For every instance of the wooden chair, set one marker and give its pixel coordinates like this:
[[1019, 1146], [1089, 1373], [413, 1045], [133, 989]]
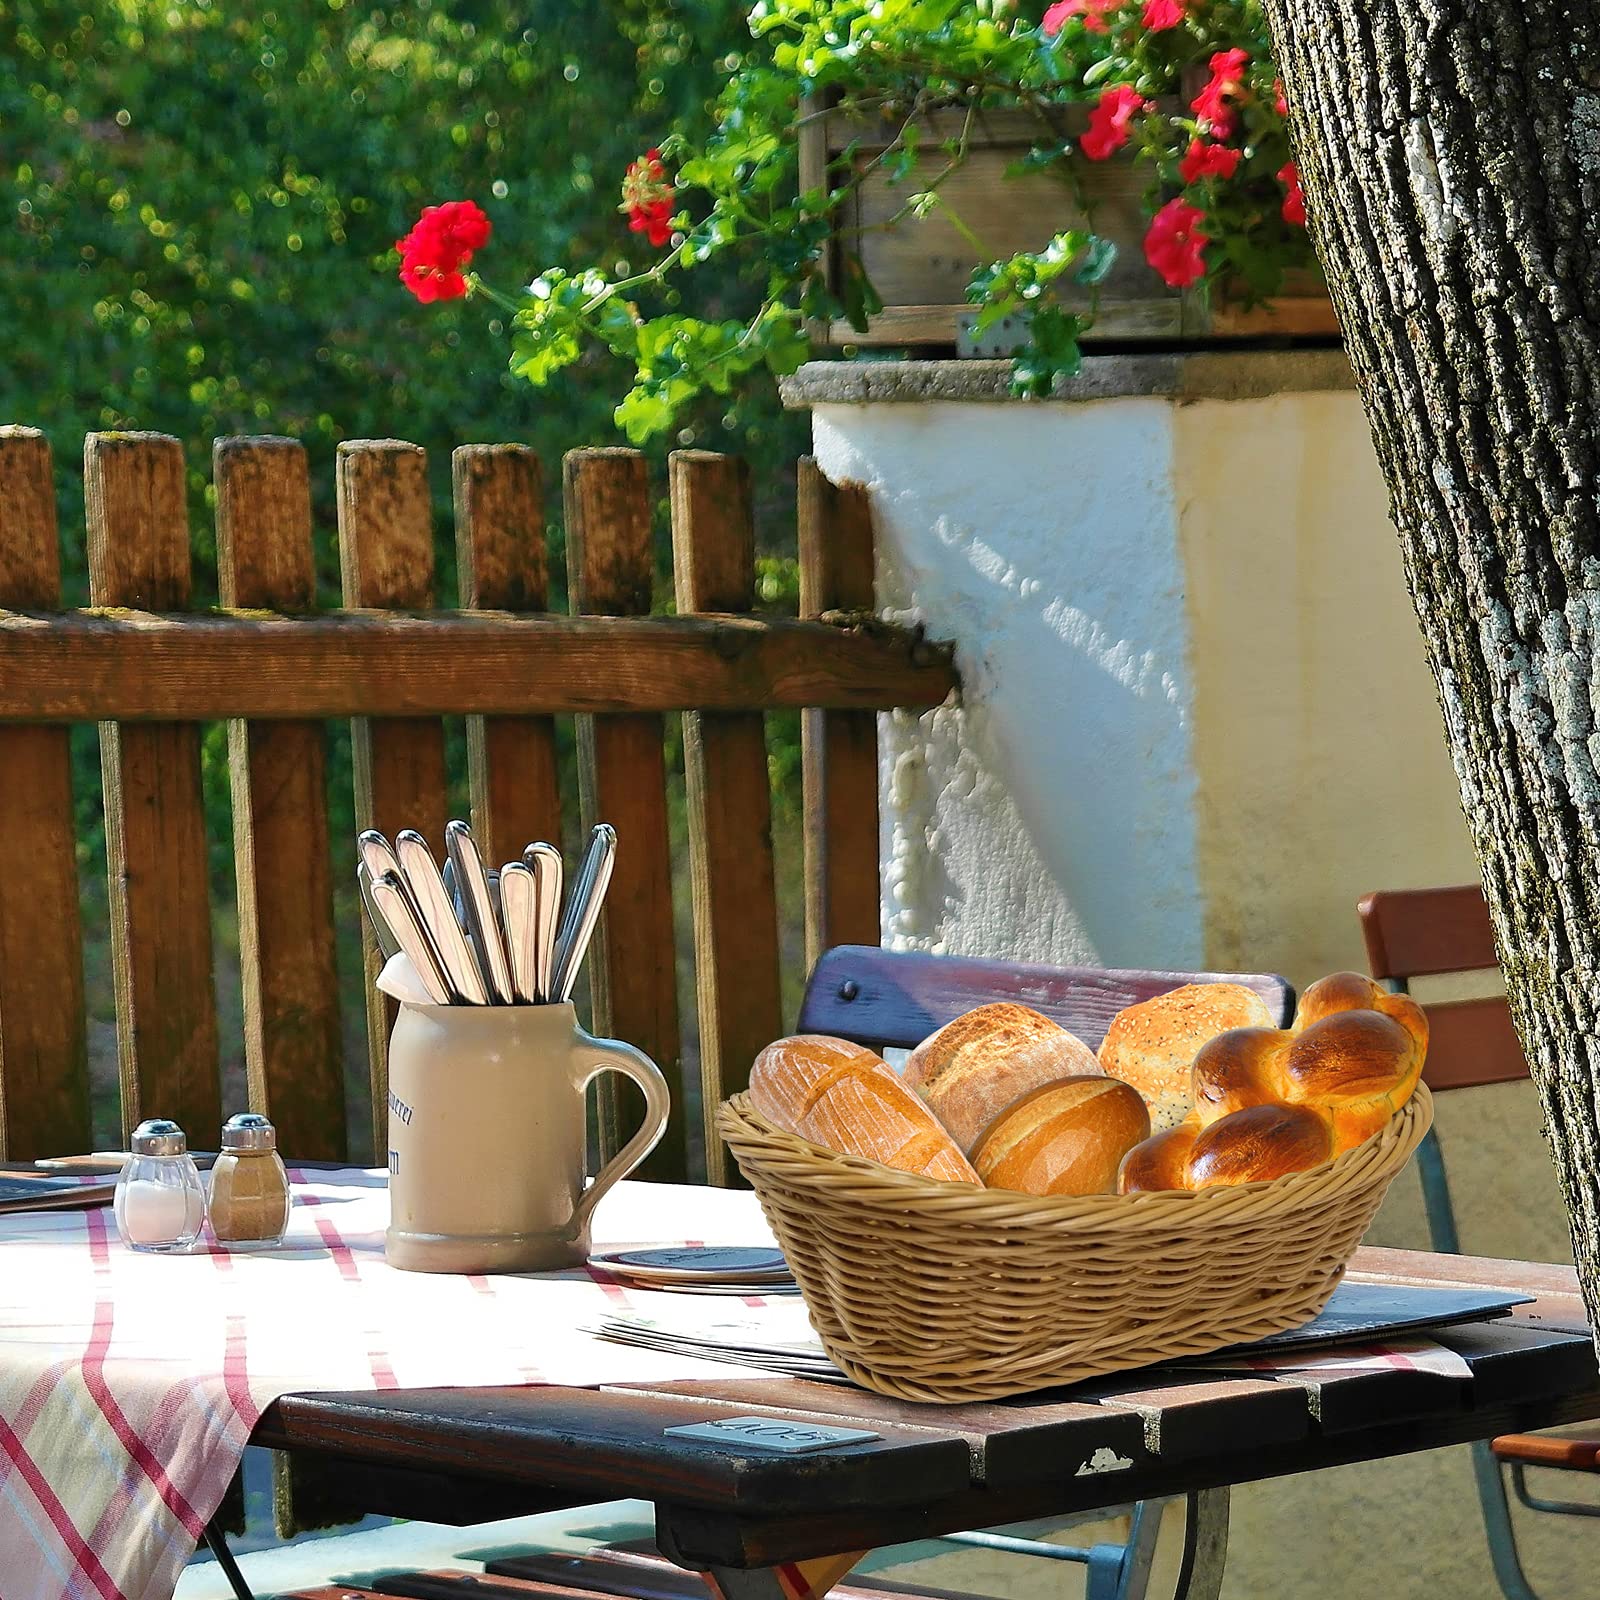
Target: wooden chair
[[1414, 933]]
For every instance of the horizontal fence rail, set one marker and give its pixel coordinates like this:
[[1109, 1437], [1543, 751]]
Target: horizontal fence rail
[[149, 667], [86, 666]]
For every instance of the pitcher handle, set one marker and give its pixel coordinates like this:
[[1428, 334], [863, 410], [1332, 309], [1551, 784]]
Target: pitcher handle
[[615, 1056]]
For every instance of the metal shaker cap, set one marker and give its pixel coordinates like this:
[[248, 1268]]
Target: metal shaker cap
[[159, 1137], [249, 1131]]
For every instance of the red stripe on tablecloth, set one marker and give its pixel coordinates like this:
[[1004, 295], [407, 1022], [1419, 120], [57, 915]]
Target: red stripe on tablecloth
[[236, 1370], [614, 1291], [94, 1378], [344, 1258], [87, 1561]]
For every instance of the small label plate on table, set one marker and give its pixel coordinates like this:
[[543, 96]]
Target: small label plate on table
[[771, 1433]]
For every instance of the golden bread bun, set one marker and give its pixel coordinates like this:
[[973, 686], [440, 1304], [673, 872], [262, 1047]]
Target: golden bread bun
[[1350, 991], [1161, 1162], [845, 1098], [977, 1064], [1354, 1064], [1067, 1137], [1153, 1044], [1259, 1143]]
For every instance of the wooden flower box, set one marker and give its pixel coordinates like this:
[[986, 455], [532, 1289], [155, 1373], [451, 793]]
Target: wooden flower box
[[921, 266]]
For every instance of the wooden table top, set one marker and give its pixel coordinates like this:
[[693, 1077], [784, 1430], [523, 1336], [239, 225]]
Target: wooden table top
[[467, 1454]]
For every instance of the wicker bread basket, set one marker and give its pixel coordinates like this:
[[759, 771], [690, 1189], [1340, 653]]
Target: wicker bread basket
[[945, 1292]]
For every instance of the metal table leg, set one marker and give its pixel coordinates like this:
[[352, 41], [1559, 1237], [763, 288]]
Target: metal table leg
[[1205, 1545]]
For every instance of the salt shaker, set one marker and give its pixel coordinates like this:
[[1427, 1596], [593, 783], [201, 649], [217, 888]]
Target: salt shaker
[[249, 1188], [160, 1201]]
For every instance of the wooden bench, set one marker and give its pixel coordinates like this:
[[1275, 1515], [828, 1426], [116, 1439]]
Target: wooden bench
[[149, 666]]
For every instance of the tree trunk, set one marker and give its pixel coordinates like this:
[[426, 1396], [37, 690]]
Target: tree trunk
[[1450, 154]]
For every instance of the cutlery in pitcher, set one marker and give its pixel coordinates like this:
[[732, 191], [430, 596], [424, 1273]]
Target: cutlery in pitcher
[[398, 909], [381, 930], [544, 862], [439, 918], [583, 910], [518, 897], [482, 924]]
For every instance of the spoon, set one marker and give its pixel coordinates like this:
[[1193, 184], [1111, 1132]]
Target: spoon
[[544, 861], [384, 934], [519, 894], [583, 910], [439, 917], [397, 908], [481, 922]]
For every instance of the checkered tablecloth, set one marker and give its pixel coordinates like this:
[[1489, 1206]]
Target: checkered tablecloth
[[129, 1383]]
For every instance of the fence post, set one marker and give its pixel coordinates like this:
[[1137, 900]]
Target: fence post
[[839, 749], [44, 1072], [294, 1059], [730, 800], [500, 551], [156, 858], [386, 559], [623, 781]]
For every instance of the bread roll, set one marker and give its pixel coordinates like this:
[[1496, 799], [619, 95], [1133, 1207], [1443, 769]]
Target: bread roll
[[974, 1067], [1161, 1162], [1153, 1044], [1259, 1143], [1355, 1066], [1067, 1137], [842, 1096]]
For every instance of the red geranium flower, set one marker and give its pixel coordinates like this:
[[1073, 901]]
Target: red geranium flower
[[1203, 160], [1093, 13], [1175, 246], [1279, 103], [647, 198], [1294, 200], [439, 245], [1214, 103], [1162, 14], [1108, 122]]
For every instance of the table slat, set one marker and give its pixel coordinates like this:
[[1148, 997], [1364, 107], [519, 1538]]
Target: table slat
[[1189, 1417]]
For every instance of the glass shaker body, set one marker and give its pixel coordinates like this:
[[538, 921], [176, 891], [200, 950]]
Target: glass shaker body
[[160, 1202], [249, 1187]]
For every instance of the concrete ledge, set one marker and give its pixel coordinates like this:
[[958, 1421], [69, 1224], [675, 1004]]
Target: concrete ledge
[[1188, 375]]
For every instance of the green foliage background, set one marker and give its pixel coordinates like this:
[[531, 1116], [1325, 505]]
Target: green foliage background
[[200, 200]]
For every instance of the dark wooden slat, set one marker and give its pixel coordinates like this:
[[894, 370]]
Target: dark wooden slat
[[1183, 1417], [1343, 1402], [386, 559], [1008, 1443], [1413, 933], [1511, 1364], [278, 770], [1472, 1043], [701, 1538], [44, 1073], [839, 750], [729, 801], [136, 507], [623, 780], [585, 1438], [897, 998], [500, 551], [141, 667], [1571, 1454], [1552, 1288]]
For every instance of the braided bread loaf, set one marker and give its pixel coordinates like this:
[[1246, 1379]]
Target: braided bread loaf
[[1269, 1101]]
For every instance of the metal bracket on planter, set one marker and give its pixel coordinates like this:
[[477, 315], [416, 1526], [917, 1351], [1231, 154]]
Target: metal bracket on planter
[[772, 1434]]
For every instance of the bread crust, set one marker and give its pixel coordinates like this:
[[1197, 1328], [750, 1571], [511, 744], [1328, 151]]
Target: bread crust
[[1257, 1144], [846, 1098], [1067, 1137], [973, 1067], [1153, 1044], [1159, 1162]]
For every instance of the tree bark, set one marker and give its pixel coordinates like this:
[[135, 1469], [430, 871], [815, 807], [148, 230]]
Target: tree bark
[[1450, 154]]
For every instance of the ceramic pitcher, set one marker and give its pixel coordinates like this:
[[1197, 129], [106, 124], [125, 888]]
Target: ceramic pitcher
[[487, 1136]]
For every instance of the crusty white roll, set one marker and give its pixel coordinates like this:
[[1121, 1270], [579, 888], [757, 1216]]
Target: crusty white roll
[[973, 1067], [1152, 1045], [1067, 1137], [843, 1097]]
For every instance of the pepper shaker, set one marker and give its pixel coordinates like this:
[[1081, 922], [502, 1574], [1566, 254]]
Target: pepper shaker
[[249, 1187], [160, 1203]]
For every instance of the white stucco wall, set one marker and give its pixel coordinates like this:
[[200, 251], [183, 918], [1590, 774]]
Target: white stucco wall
[[1196, 726]]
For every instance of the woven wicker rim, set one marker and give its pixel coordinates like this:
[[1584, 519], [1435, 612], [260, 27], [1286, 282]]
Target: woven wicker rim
[[912, 1194]]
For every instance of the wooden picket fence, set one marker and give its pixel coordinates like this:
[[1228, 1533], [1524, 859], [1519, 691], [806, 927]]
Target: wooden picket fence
[[150, 670]]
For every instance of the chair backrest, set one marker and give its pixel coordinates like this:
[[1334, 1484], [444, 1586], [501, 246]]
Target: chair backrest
[[1417, 933], [890, 999], [150, 665]]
